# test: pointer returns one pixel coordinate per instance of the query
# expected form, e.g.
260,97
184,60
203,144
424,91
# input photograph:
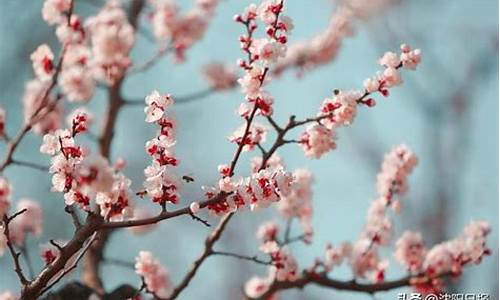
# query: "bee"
187,178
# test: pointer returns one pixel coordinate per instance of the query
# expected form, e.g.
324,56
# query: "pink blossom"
251,82
298,203
53,11
317,140
397,165
268,50
257,134
391,77
410,58
390,60
342,107
5,192
31,221
111,38
194,207
220,76
8,295
156,277
273,162
49,253
268,231
156,105
410,251
79,120
268,9
334,256
77,84
43,62
72,33
116,204
255,287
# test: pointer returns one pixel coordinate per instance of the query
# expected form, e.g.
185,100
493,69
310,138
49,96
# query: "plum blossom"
43,62
155,276
8,295
183,30
54,11
334,256
341,109
390,60
410,251
255,287
31,221
410,58
77,83
452,256
160,183
397,165
251,82
220,76
111,37
268,231
49,253
116,203
156,105
72,33
79,120
273,162
257,191
268,50
194,207
256,134
5,193
298,203
317,140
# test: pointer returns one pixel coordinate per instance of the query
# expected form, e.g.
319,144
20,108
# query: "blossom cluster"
155,277
83,180
160,184
94,50
220,76
283,266
259,190
182,31
298,203
340,110
262,52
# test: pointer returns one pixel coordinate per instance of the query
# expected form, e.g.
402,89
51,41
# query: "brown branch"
15,255
321,280
16,140
158,55
209,243
73,266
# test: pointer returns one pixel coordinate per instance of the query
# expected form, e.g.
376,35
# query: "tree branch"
209,242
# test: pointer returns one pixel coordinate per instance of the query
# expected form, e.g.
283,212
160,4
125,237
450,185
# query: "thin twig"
15,255
254,258
31,165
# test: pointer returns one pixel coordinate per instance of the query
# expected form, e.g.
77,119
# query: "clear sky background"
447,112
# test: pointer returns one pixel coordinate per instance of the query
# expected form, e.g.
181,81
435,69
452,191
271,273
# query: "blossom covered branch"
96,51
